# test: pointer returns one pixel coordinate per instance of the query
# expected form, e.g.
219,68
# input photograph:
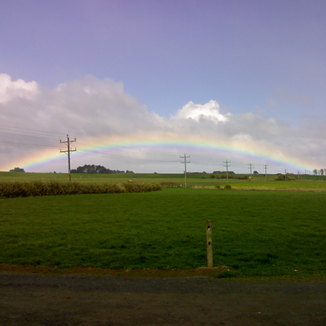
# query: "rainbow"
112,144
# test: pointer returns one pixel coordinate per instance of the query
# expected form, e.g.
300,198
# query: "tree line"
92,168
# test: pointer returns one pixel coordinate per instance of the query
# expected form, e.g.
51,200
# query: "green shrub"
169,184
37,188
285,177
227,187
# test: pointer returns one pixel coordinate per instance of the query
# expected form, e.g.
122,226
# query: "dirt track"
27,299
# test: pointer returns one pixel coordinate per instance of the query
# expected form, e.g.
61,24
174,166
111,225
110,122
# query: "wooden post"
209,244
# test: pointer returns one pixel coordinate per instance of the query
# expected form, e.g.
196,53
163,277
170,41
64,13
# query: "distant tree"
256,172
17,170
92,168
280,177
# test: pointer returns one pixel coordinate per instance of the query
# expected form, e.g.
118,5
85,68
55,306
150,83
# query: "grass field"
265,233
256,182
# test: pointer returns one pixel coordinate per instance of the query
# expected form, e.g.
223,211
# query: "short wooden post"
209,244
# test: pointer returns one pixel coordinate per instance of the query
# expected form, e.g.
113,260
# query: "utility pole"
68,151
209,244
265,167
226,164
250,166
185,161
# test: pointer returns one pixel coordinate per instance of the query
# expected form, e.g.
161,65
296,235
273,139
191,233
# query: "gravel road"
108,300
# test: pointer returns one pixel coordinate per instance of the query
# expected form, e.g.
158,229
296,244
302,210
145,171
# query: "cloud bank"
95,111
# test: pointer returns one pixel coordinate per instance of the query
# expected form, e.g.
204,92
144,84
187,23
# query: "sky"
140,83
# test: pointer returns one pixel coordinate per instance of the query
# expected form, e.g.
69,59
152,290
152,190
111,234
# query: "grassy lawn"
268,233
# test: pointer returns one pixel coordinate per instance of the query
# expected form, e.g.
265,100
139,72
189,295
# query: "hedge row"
37,188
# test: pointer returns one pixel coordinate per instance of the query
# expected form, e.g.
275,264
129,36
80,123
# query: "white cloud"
34,118
208,111
10,89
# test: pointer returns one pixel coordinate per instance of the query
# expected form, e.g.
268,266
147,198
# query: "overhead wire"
27,132
12,135
25,144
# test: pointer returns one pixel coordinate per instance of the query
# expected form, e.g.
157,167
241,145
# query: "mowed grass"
255,233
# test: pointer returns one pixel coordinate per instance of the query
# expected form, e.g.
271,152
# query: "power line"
185,161
26,132
68,151
16,143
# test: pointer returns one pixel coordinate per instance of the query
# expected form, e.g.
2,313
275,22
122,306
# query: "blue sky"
261,57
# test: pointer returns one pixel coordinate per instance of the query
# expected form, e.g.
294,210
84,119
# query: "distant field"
256,182
256,233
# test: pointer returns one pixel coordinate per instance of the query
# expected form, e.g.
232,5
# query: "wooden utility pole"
68,151
209,246
185,157
250,166
265,167
226,165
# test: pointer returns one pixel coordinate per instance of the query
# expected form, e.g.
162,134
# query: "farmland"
307,182
255,233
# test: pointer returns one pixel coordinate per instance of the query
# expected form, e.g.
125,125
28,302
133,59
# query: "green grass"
256,182
255,233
